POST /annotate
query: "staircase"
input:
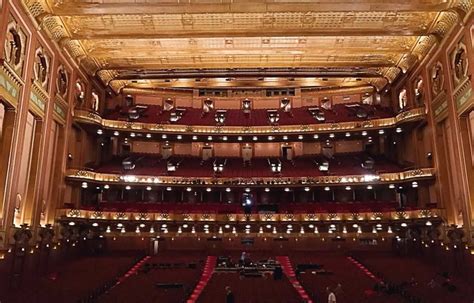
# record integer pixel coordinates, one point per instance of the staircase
(364, 269)
(133, 270)
(290, 273)
(205, 277)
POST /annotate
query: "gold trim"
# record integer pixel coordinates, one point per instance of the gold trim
(10, 87)
(383, 178)
(235, 218)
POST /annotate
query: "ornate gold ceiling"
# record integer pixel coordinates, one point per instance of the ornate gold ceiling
(126, 42)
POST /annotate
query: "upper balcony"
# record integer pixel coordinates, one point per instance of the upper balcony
(340, 118)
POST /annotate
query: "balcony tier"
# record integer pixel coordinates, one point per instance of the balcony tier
(301, 123)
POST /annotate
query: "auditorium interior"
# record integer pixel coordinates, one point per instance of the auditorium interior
(264, 151)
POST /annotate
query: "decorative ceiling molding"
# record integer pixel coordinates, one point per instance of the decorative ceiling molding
(111, 39)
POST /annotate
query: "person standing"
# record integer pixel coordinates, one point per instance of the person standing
(339, 293)
(331, 295)
(229, 295)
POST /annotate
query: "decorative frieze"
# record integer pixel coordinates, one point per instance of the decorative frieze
(9, 86)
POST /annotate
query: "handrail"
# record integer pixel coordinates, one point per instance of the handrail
(413, 174)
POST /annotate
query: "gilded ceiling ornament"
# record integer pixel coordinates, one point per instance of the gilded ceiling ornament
(389, 50)
(308, 18)
(187, 20)
(407, 61)
(349, 17)
(462, 7)
(268, 19)
(117, 85)
(391, 73)
(444, 23)
(107, 75)
(423, 46)
(390, 17)
(147, 21)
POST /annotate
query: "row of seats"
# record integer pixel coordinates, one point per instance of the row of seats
(418, 279)
(309, 166)
(255, 117)
(237, 208)
(161, 279)
(71, 281)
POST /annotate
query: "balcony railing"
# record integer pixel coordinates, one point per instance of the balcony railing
(88, 117)
(382, 178)
(377, 216)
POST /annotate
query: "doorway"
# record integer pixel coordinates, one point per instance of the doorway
(287, 152)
